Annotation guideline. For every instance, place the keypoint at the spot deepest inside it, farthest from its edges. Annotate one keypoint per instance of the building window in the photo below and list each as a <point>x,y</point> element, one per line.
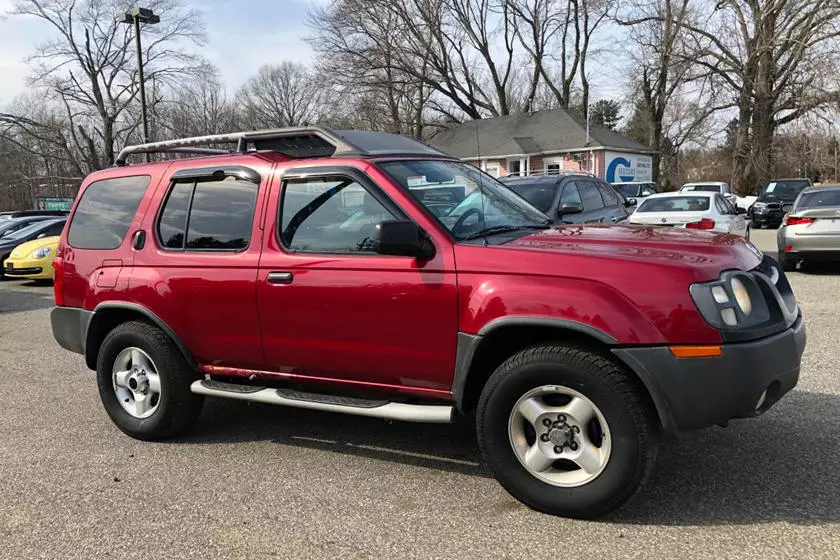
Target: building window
<point>514,167</point>
<point>493,169</point>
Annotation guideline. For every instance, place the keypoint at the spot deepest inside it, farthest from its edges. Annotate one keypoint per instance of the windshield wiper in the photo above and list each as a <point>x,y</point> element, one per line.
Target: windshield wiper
<point>504,229</point>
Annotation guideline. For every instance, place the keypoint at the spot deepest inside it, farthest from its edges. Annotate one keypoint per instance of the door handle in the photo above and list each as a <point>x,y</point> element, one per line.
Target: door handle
<point>280,277</point>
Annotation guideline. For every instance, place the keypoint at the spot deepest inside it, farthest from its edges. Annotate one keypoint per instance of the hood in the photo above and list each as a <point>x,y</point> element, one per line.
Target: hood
<point>712,252</point>
<point>23,250</point>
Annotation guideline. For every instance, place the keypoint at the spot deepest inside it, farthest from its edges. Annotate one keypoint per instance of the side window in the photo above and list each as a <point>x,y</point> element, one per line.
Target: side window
<point>329,215</point>
<point>590,196</point>
<point>648,190</point>
<point>609,195</point>
<point>53,230</point>
<point>105,211</point>
<point>208,215</point>
<point>721,206</point>
<point>570,195</point>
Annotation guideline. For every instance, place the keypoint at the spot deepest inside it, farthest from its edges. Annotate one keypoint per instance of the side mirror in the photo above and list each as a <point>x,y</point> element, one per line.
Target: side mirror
<point>740,210</point>
<point>628,202</point>
<point>41,236</point>
<point>569,208</point>
<point>402,238</point>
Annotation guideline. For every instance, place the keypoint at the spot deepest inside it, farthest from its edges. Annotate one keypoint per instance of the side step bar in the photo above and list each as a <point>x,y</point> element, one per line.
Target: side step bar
<point>433,414</point>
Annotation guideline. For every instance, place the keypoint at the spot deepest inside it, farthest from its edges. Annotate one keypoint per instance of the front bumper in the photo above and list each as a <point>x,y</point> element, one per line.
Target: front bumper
<point>771,217</point>
<point>27,269</point>
<point>693,393</point>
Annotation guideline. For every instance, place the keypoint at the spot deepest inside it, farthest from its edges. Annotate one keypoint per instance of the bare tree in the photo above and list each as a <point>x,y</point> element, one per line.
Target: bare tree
<point>777,60</point>
<point>281,95</point>
<point>89,66</point>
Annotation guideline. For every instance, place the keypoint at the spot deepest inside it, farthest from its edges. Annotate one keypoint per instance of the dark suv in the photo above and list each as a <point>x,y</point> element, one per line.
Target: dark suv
<point>368,274</point>
<point>776,200</point>
<point>573,198</point>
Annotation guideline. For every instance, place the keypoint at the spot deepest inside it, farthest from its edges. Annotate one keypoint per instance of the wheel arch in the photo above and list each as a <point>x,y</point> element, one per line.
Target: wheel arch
<point>108,315</point>
<point>479,355</point>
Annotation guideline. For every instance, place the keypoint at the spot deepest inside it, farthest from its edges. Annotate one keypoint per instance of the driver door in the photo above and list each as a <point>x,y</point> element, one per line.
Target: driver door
<point>333,309</point>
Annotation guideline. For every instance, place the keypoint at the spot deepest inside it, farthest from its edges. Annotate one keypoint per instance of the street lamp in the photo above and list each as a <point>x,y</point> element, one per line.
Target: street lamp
<point>136,17</point>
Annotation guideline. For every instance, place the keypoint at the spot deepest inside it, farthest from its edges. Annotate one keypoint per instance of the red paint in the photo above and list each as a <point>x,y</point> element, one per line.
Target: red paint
<point>391,323</point>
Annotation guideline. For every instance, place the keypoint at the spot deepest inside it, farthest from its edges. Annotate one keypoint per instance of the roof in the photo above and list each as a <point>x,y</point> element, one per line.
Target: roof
<point>529,134</point>
<point>672,194</point>
<point>303,142</point>
<point>696,183</point>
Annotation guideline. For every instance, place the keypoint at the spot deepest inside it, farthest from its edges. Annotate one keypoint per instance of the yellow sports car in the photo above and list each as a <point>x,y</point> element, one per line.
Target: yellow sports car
<point>32,260</point>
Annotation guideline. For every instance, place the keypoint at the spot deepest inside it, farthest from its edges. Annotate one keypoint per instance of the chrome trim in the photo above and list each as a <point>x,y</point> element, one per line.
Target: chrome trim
<point>432,414</point>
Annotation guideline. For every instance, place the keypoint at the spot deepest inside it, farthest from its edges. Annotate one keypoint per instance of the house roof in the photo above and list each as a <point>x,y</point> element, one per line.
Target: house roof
<point>529,133</point>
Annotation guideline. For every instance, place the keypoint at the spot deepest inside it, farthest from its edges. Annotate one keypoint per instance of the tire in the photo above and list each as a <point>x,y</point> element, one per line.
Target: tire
<point>786,262</point>
<point>747,234</point>
<point>632,432</point>
<point>174,409</point>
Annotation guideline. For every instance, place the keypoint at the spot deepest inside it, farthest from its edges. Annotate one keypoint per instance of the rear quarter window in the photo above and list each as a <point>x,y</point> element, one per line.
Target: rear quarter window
<point>105,212</point>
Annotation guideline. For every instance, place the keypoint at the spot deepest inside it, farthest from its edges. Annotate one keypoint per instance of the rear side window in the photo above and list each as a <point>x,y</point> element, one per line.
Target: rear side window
<point>208,215</point>
<point>105,211</point>
<point>540,196</point>
<point>609,195</point>
<point>590,196</point>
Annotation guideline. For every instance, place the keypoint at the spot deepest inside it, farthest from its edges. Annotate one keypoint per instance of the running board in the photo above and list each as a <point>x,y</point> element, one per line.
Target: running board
<point>427,413</point>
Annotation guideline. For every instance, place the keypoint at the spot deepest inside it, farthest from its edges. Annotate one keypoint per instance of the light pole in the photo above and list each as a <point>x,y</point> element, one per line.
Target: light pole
<point>136,17</point>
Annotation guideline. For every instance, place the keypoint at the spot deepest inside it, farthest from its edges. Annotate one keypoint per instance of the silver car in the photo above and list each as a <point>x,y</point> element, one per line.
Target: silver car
<point>811,230</point>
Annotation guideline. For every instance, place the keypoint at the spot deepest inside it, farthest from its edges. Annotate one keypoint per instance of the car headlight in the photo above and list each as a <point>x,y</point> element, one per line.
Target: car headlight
<point>734,302</point>
<point>758,205</point>
<point>41,253</point>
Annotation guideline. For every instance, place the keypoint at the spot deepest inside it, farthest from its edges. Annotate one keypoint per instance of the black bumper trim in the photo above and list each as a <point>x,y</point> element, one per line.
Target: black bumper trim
<point>70,327</point>
<point>700,392</point>
<point>23,271</point>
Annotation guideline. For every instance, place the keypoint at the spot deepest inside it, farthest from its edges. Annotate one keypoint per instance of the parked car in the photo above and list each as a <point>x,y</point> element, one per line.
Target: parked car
<point>47,213</point>
<point>573,198</point>
<point>36,230</point>
<point>638,190</point>
<point>712,186</point>
<point>250,276</point>
<point>8,227</point>
<point>700,210</point>
<point>775,200</point>
<point>32,260</point>
<point>811,230</point>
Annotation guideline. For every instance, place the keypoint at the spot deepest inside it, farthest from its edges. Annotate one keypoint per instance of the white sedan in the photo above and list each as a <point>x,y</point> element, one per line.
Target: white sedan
<point>692,210</point>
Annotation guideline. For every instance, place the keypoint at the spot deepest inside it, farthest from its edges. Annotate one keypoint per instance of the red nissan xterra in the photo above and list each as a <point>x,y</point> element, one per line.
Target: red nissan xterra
<point>369,274</point>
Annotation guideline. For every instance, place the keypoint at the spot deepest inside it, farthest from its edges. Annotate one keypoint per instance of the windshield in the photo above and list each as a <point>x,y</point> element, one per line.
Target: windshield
<point>819,199</point>
<point>783,190</point>
<point>465,200</point>
<point>21,233</point>
<point>702,188</point>
<point>627,191</point>
<point>675,204</point>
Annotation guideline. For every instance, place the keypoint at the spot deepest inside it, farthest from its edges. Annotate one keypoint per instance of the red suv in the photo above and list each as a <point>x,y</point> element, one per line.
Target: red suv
<point>369,274</point>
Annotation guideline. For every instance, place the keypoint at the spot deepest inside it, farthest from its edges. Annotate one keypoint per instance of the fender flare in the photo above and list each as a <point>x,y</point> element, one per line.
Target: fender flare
<point>148,314</point>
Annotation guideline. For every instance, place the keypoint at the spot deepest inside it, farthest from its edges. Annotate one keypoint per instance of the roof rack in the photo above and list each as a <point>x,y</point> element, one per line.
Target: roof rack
<point>300,142</point>
<point>550,172</point>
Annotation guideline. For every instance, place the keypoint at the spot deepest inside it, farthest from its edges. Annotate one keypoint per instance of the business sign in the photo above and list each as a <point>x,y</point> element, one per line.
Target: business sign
<point>628,168</point>
<point>53,203</point>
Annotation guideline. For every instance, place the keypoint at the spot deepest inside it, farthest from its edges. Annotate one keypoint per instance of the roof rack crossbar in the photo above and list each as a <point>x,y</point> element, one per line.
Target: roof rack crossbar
<point>242,140</point>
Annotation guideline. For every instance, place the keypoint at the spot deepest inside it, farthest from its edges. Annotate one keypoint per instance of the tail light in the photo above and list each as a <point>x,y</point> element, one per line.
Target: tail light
<point>58,282</point>
<point>795,221</point>
<point>705,223</point>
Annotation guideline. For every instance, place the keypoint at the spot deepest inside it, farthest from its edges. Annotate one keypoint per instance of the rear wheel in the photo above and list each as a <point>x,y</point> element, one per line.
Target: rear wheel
<point>144,382</point>
<point>566,431</point>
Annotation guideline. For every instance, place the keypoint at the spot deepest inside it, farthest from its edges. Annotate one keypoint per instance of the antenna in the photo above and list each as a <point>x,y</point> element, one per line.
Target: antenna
<point>480,179</point>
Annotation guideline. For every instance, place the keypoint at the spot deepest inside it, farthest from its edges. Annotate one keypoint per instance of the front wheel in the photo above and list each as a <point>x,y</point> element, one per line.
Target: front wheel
<point>566,431</point>
<point>144,382</point>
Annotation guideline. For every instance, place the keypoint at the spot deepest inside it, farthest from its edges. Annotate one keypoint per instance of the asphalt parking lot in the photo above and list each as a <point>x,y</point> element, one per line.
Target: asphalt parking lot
<point>254,481</point>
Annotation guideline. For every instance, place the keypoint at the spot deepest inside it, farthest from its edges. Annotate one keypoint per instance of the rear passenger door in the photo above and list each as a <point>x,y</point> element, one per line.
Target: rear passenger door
<point>197,267</point>
<point>594,210</point>
<point>614,208</point>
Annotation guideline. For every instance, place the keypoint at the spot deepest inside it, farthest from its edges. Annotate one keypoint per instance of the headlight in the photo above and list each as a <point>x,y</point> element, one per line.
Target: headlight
<point>41,253</point>
<point>733,302</point>
<point>757,205</point>
<point>742,296</point>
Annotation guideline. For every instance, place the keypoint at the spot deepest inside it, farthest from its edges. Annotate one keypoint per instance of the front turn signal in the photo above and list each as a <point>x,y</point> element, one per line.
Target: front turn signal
<point>696,351</point>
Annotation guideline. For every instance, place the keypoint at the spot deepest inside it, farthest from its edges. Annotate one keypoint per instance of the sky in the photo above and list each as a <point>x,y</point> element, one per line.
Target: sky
<point>241,36</point>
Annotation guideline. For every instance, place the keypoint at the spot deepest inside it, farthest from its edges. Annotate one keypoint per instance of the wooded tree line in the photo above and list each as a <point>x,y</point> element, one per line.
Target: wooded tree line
<point>720,88</point>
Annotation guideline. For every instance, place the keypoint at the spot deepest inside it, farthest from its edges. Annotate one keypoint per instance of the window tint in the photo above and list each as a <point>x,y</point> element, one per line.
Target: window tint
<point>570,195</point>
<point>220,215</point>
<point>329,215</point>
<point>590,196</point>
<point>675,204</point>
<point>173,219</point>
<point>540,196</point>
<point>609,195</point>
<point>105,211</point>
<point>53,230</point>
<point>819,199</point>
<point>627,190</point>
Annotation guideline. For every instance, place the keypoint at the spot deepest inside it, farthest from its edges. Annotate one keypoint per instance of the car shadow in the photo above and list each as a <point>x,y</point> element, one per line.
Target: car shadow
<point>17,296</point>
<point>812,268</point>
<point>780,467</point>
